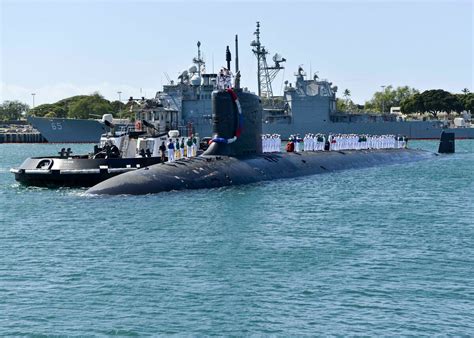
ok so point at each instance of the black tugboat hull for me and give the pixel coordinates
(77, 171)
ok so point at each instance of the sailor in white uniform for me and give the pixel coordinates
(170, 147)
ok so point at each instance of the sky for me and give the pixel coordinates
(58, 49)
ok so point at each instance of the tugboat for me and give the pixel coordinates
(116, 153)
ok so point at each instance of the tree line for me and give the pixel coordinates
(411, 101)
(79, 107)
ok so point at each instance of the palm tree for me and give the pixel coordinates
(465, 91)
(347, 96)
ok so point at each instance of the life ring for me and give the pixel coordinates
(138, 125)
(238, 131)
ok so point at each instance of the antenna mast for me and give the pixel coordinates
(265, 74)
(198, 60)
(236, 54)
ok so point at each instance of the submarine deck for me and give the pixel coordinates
(211, 171)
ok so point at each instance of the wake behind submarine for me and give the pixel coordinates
(235, 155)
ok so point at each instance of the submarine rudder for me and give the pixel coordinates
(447, 143)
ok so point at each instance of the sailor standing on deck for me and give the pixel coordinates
(170, 150)
(309, 142)
(331, 141)
(162, 151)
(189, 147)
(297, 143)
(181, 147)
(221, 81)
(176, 145)
(195, 149)
(319, 142)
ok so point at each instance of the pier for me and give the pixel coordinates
(22, 138)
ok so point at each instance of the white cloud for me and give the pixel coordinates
(56, 92)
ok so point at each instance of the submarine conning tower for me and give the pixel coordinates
(237, 123)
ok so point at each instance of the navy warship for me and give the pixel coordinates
(235, 155)
(307, 106)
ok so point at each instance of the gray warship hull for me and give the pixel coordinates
(59, 130)
(56, 130)
(415, 130)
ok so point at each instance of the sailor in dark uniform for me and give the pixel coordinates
(162, 151)
(170, 150)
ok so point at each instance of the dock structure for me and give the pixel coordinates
(22, 138)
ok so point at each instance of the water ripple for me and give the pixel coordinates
(379, 251)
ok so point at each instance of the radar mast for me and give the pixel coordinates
(198, 60)
(265, 74)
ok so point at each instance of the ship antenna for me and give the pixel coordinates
(199, 61)
(265, 74)
(258, 53)
(236, 54)
(228, 57)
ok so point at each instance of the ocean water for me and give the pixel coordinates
(379, 251)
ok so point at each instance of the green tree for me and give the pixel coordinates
(79, 106)
(434, 102)
(467, 101)
(92, 106)
(13, 110)
(413, 105)
(389, 97)
(347, 97)
(117, 107)
(347, 94)
(341, 105)
(42, 109)
(437, 100)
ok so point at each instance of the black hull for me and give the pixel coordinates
(56, 179)
(56, 172)
(217, 171)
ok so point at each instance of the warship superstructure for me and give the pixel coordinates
(307, 106)
(184, 105)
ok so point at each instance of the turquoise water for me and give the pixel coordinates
(378, 251)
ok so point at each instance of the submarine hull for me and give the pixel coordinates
(212, 171)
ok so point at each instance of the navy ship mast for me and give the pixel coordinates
(265, 74)
(198, 60)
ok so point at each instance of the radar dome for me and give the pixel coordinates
(277, 58)
(196, 80)
(173, 133)
(184, 74)
(107, 117)
(193, 69)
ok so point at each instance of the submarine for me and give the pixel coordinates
(235, 156)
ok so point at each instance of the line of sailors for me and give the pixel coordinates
(356, 142)
(319, 142)
(271, 143)
(177, 149)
